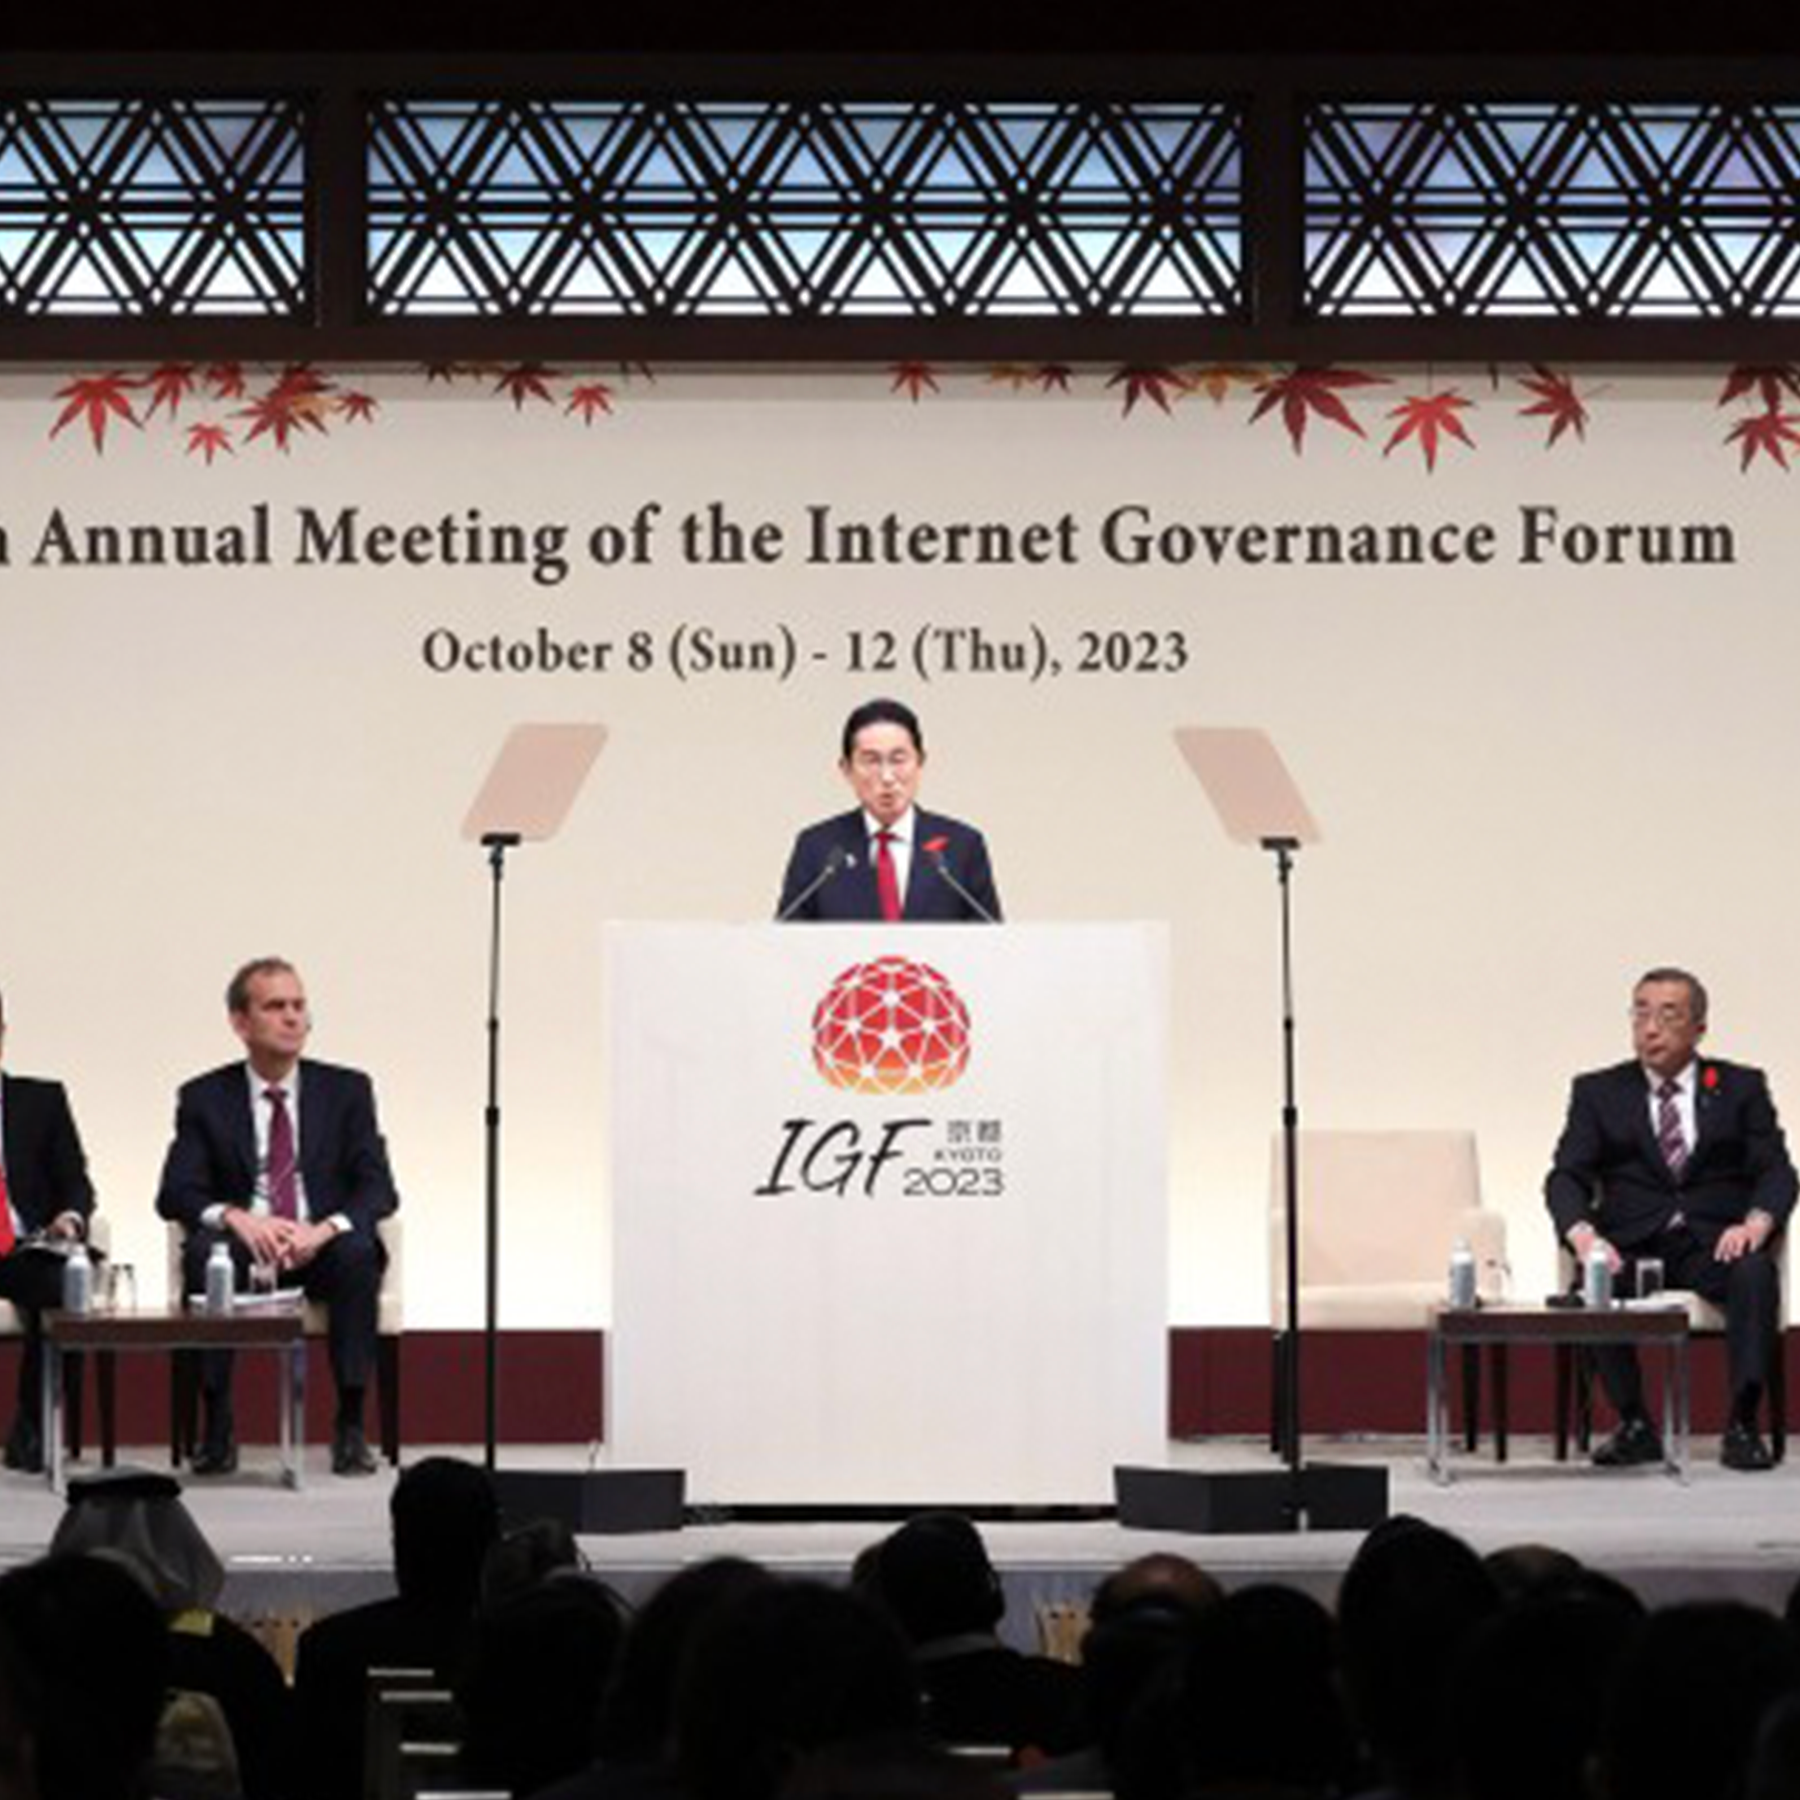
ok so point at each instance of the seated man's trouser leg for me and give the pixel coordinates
(31, 1281)
(345, 1276)
(1748, 1289)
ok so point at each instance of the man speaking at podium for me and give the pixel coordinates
(887, 860)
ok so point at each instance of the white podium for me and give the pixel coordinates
(889, 1209)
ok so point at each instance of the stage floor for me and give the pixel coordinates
(293, 1556)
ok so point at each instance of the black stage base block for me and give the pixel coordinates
(597, 1501)
(1333, 1497)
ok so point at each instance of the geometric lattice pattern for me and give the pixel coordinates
(1614, 210)
(153, 208)
(891, 1026)
(805, 209)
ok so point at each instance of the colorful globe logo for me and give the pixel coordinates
(891, 1027)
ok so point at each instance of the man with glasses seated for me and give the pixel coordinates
(1682, 1158)
(887, 859)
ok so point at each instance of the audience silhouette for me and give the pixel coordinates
(1438, 1675)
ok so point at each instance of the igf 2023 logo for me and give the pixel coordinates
(883, 1029)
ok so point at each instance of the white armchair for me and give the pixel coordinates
(1379, 1214)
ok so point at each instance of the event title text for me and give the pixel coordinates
(1129, 535)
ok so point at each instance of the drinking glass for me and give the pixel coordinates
(121, 1287)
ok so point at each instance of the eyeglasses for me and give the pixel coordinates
(872, 762)
(1661, 1015)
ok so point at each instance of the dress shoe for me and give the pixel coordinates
(1742, 1448)
(25, 1446)
(217, 1456)
(1634, 1443)
(350, 1452)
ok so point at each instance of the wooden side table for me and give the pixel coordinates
(278, 1327)
(1664, 1325)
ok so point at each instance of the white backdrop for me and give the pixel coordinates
(1533, 778)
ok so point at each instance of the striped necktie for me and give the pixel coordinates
(1668, 1129)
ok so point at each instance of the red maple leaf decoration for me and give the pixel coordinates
(1216, 380)
(279, 414)
(590, 398)
(226, 380)
(1012, 375)
(1769, 433)
(525, 381)
(1052, 377)
(169, 385)
(1305, 391)
(1428, 417)
(443, 371)
(1557, 401)
(1769, 380)
(358, 406)
(208, 440)
(914, 379)
(1141, 382)
(629, 369)
(299, 379)
(99, 399)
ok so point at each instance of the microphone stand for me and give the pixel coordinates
(1283, 850)
(1257, 803)
(496, 843)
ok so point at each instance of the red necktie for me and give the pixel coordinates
(887, 878)
(8, 1237)
(284, 1201)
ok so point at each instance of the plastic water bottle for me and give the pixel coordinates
(1596, 1279)
(221, 1278)
(78, 1281)
(1462, 1276)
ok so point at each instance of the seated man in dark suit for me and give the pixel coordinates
(887, 859)
(44, 1188)
(1676, 1157)
(283, 1161)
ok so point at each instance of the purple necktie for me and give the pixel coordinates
(1668, 1129)
(284, 1198)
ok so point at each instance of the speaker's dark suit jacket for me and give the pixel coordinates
(1609, 1172)
(343, 1160)
(851, 895)
(46, 1172)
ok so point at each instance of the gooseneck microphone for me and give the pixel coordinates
(956, 887)
(836, 863)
